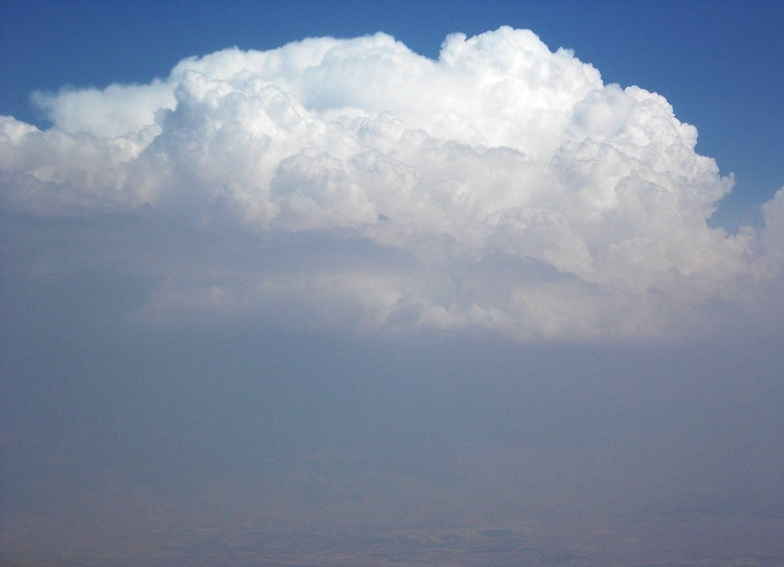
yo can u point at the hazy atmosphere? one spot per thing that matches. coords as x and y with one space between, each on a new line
304 292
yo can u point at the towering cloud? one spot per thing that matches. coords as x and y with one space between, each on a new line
502 187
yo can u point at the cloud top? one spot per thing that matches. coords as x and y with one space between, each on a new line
502 187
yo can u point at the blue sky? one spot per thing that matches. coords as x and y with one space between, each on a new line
718 63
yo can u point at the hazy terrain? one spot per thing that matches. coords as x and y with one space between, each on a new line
260 447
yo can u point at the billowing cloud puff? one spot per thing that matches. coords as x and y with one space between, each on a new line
502 187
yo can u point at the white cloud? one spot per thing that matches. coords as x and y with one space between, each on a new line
529 198
114 111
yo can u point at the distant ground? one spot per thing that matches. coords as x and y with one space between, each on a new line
346 512
704 540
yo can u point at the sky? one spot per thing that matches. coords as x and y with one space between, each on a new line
320 282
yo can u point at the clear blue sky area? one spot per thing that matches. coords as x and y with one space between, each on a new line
720 64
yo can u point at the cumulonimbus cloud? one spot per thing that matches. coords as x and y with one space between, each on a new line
500 187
